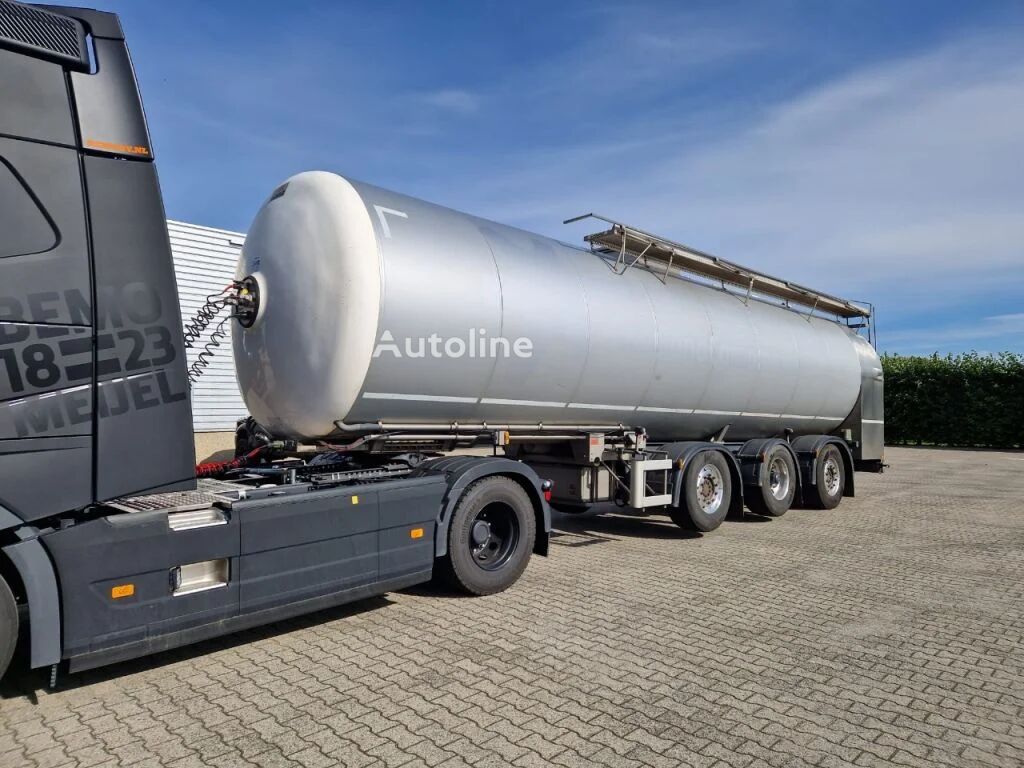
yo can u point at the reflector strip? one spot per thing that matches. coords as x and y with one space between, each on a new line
424 398
592 406
533 403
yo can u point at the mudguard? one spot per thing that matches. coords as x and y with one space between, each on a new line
751 458
807 449
681 453
461 471
40 584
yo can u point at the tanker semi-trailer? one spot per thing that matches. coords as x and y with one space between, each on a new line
109 548
619 372
638 370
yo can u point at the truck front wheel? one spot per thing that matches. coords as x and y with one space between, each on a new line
8 626
490 537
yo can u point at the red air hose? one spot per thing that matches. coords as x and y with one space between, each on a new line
212 468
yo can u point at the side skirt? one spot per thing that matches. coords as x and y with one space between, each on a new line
246 621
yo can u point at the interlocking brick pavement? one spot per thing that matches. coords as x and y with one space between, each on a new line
886 632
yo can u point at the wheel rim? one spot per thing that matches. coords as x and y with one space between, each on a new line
710 489
493 536
833 474
779 478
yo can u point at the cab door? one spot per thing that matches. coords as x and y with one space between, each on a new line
46 324
92 365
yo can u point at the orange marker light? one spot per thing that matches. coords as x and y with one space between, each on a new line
416 533
355 499
122 590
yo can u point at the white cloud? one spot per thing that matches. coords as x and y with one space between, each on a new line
454 100
1015 320
900 183
631 50
906 172
994 332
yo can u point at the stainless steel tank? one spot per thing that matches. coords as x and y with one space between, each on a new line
352 277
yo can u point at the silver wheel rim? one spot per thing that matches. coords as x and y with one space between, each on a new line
710 489
778 478
832 476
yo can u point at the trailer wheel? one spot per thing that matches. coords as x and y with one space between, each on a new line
776 495
490 537
707 493
8 626
830 477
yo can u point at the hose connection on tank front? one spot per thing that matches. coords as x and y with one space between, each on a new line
247 301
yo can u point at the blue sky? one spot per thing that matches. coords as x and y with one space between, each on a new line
874 150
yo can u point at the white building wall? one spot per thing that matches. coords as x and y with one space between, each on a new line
204 262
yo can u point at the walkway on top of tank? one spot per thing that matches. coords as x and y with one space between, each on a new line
634 245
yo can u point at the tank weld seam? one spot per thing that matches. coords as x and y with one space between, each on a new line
501 308
652 379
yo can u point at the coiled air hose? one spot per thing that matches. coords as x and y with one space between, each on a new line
201 320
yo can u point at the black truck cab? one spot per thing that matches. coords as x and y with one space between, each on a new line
92 365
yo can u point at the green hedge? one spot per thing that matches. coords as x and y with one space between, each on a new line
962 400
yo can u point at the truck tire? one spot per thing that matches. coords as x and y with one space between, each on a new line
707 493
830 479
775 496
8 626
490 537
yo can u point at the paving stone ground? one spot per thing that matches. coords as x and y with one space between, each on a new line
886 632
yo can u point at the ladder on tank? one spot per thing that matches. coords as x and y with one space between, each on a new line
665 258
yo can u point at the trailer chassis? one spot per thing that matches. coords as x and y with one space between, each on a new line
588 465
